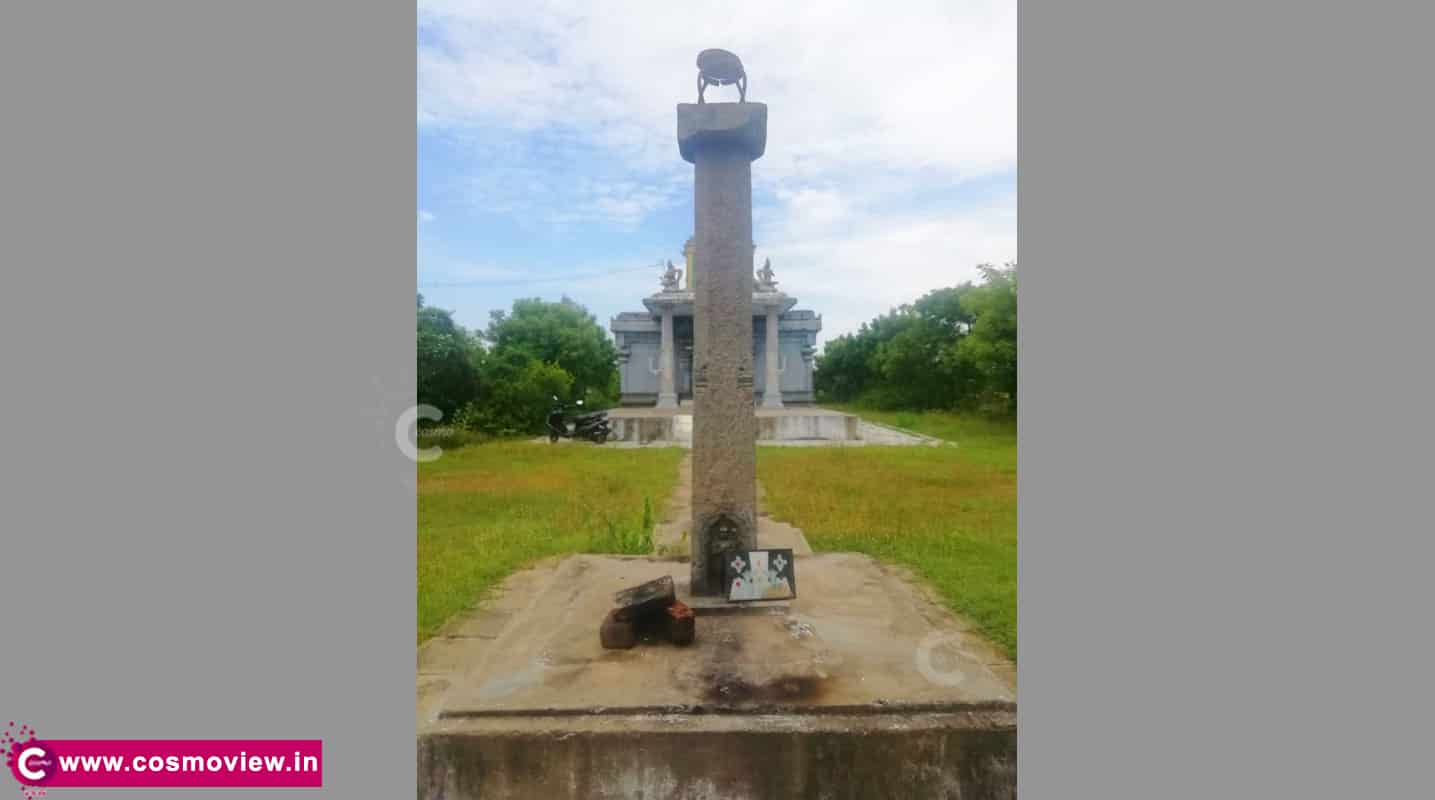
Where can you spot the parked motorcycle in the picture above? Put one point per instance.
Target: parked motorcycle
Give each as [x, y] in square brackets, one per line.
[593, 426]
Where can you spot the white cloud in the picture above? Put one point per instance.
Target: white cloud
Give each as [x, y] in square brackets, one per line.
[426, 216]
[882, 116]
[852, 86]
[473, 290]
[463, 273]
[859, 267]
[549, 196]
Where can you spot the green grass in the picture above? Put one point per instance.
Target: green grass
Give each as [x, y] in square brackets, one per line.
[985, 439]
[948, 513]
[486, 510]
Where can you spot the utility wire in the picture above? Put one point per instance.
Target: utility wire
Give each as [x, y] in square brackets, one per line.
[525, 281]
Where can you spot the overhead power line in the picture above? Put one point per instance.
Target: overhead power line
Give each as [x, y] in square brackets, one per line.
[526, 281]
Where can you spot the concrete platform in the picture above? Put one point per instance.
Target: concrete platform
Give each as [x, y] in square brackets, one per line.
[862, 686]
[796, 423]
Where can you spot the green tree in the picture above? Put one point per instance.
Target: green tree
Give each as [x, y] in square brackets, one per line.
[563, 334]
[990, 346]
[518, 391]
[447, 378]
[842, 374]
[953, 347]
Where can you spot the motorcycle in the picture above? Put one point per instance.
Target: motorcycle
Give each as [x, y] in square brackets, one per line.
[593, 426]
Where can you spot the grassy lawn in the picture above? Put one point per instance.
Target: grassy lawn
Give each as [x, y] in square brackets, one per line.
[948, 513]
[488, 510]
[986, 440]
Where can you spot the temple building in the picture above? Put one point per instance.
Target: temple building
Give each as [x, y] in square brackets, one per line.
[655, 346]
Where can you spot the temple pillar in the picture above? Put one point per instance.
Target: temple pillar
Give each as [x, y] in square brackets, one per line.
[690, 278]
[667, 371]
[772, 379]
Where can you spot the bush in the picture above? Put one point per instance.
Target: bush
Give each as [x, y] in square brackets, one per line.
[537, 352]
[888, 398]
[518, 393]
[446, 378]
[563, 334]
[450, 437]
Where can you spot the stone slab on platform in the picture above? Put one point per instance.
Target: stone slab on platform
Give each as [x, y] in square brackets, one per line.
[863, 662]
[801, 423]
[796, 424]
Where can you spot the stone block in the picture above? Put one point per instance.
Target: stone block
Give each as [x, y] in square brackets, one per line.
[616, 633]
[738, 126]
[681, 624]
[645, 599]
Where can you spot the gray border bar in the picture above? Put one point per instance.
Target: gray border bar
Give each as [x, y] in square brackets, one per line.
[1225, 387]
[206, 320]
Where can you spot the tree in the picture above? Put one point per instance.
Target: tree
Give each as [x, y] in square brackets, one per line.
[953, 347]
[561, 333]
[841, 372]
[518, 391]
[447, 379]
[990, 346]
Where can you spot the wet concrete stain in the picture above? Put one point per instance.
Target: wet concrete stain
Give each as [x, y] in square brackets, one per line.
[727, 688]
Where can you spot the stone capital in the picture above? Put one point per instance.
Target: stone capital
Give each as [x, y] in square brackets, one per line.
[766, 302]
[738, 127]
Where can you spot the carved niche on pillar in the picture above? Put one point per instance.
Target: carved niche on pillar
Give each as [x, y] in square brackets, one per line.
[724, 536]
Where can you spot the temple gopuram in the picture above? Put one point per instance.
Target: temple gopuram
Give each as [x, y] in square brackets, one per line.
[655, 346]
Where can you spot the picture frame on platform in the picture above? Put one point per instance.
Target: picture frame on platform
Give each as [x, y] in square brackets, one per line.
[760, 575]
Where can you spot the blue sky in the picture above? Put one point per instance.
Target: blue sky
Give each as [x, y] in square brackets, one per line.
[547, 161]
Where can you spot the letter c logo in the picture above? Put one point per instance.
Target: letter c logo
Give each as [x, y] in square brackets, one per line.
[406, 422]
[22, 763]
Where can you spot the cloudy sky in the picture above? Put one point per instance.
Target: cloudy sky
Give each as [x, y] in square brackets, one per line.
[548, 164]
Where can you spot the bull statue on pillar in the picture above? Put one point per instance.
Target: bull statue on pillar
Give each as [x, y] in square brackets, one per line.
[721, 68]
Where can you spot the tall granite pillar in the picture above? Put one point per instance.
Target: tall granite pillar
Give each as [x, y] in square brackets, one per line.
[667, 391]
[772, 381]
[722, 140]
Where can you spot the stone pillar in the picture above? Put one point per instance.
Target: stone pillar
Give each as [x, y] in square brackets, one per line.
[722, 140]
[667, 371]
[690, 279]
[772, 381]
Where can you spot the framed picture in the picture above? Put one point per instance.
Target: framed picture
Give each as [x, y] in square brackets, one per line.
[760, 575]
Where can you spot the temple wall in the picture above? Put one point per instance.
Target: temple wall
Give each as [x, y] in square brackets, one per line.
[638, 338]
[796, 376]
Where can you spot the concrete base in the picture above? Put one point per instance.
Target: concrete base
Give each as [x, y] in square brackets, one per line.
[645, 425]
[861, 687]
[901, 756]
